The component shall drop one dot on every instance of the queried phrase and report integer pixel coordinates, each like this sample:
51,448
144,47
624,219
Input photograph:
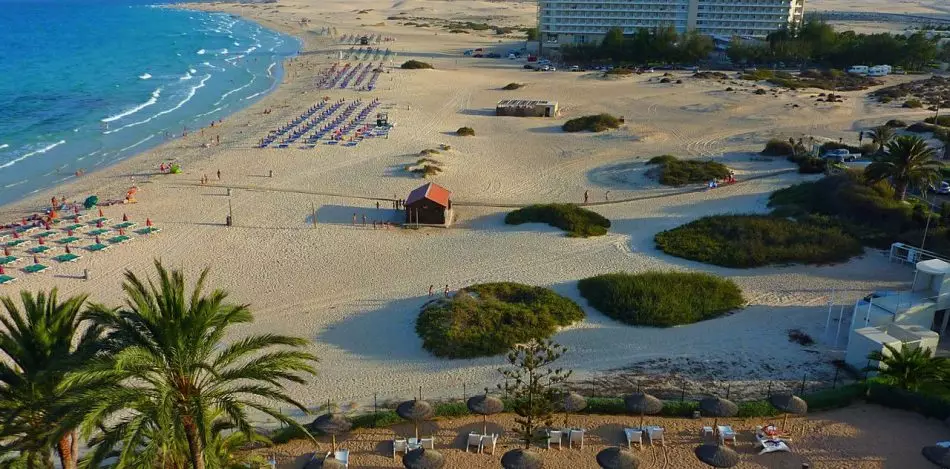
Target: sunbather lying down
773,446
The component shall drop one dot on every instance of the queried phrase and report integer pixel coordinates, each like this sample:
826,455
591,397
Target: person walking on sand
377,205
354,218
607,196
219,174
586,196
446,290
430,290
364,220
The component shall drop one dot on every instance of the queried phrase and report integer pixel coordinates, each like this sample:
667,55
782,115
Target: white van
879,71
858,70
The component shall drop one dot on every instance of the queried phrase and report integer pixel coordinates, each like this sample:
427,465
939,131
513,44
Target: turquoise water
85,83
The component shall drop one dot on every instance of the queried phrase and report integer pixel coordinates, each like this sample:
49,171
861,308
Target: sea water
86,83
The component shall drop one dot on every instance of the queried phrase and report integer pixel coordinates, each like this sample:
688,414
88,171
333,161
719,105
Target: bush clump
661,299
744,241
577,221
943,121
513,86
895,124
676,172
777,147
913,104
488,319
414,65
465,132
619,72
594,123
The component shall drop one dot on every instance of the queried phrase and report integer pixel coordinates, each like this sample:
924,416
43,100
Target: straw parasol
937,455
421,458
643,404
573,402
718,407
332,463
717,456
416,411
616,458
789,404
331,424
521,459
485,405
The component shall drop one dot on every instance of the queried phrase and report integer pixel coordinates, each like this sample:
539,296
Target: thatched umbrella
332,463
521,459
937,455
616,458
789,404
331,424
717,456
416,411
485,405
421,458
573,402
718,407
643,404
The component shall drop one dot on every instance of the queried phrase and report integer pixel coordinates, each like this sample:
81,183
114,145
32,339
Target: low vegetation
672,171
576,221
465,132
778,147
822,79
513,86
488,319
620,72
594,123
913,103
661,299
934,91
414,65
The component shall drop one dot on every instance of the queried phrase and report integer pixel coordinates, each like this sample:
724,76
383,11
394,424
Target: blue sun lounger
7,260
5,279
69,257
148,230
73,227
99,232
35,268
124,225
97,247
119,239
71,239
46,234
39,249
17,243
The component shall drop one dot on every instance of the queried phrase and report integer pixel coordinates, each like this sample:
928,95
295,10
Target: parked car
942,188
478,56
493,55
529,66
841,155
575,68
545,68
469,53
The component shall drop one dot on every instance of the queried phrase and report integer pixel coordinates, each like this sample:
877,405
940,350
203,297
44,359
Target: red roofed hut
430,204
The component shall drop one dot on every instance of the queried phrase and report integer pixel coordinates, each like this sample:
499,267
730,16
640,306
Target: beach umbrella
46,223
718,407
789,404
6,251
125,217
69,232
415,411
643,404
521,459
421,458
36,260
121,232
1,270
99,224
16,235
937,455
485,405
616,458
67,250
97,240
331,424
573,402
76,219
100,213
76,210
332,463
42,242
148,222
717,455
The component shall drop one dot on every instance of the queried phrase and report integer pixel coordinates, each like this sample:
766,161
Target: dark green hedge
488,319
594,123
676,172
415,65
578,222
661,299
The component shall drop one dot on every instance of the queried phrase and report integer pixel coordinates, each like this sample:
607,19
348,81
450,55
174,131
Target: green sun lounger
119,239
71,239
39,249
5,279
7,260
35,268
46,234
99,232
25,229
97,247
124,225
97,221
73,227
17,242
148,230
70,257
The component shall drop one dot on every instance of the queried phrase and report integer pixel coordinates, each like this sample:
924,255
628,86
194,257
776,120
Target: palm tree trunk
194,442
900,190
64,447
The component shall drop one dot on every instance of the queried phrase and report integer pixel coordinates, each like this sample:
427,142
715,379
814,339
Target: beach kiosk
430,204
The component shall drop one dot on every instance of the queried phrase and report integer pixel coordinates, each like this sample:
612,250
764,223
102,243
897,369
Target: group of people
205,179
432,291
587,196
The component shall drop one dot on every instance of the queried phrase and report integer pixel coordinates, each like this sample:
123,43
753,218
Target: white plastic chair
343,456
726,434
634,435
428,443
487,440
554,436
654,434
474,439
575,436
400,445
706,432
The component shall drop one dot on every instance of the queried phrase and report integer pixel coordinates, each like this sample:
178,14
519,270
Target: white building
585,21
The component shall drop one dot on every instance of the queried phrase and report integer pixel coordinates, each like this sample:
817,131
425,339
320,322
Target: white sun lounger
488,441
654,434
400,445
774,446
554,436
575,436
726,434
474,439
343,456
634,435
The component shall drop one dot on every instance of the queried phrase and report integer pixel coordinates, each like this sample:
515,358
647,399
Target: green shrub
913,103
757,75
577,221
928,405
619,72
676,172
756,409
605,406
776,147
808,164
922,128
744,241
465,132
661,299
513,86
837,398
896,124
488,319
458,31
943,121
594,123
414,65
679,408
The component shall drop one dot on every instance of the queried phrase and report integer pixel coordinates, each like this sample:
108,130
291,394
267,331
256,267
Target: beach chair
7,260
489,440
124,225
35,268
774,446
575,436
119,239
343,456
943,444
554,436
97,247
73,227
17,243
474,439
706,432
67,240
400,445
39,249
99,232
97,221
633,435
148,230
5,279
46,234
655,434
68,257
726,434
428,443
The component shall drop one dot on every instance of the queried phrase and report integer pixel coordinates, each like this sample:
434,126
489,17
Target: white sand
355,291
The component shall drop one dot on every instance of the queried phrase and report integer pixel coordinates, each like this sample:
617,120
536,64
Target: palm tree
908,161
908,368
172,372
881,135
38,345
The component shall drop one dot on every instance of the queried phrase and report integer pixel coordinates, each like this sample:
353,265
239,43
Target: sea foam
151,101
35,152
145,76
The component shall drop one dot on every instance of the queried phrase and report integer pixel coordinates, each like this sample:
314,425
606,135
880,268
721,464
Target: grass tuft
577,221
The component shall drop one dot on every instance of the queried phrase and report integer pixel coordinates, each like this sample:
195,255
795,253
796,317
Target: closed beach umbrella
573,402
2,271
717,456
789,404
125,217
718,407
42,241
937,455
421,458
100,212
415,411
6,251
643,404
36,260
67,250
485,405
616,458
148,222
331,424
97,240
521,459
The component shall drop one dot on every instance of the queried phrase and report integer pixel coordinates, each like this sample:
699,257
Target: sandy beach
355,291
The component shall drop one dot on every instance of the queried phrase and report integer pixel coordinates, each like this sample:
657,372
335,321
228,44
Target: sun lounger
655,434
99,232
17,243
73,227
5,279
726,434
124,225
774,446
68,257
554,436
46,234
70,239
633,435
97,221
576,436
39,249
7,260
35,268
474,439
943,444
119,239
25,229
148,230
489,441
400,446
706,432
428,443
343,456
97,247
